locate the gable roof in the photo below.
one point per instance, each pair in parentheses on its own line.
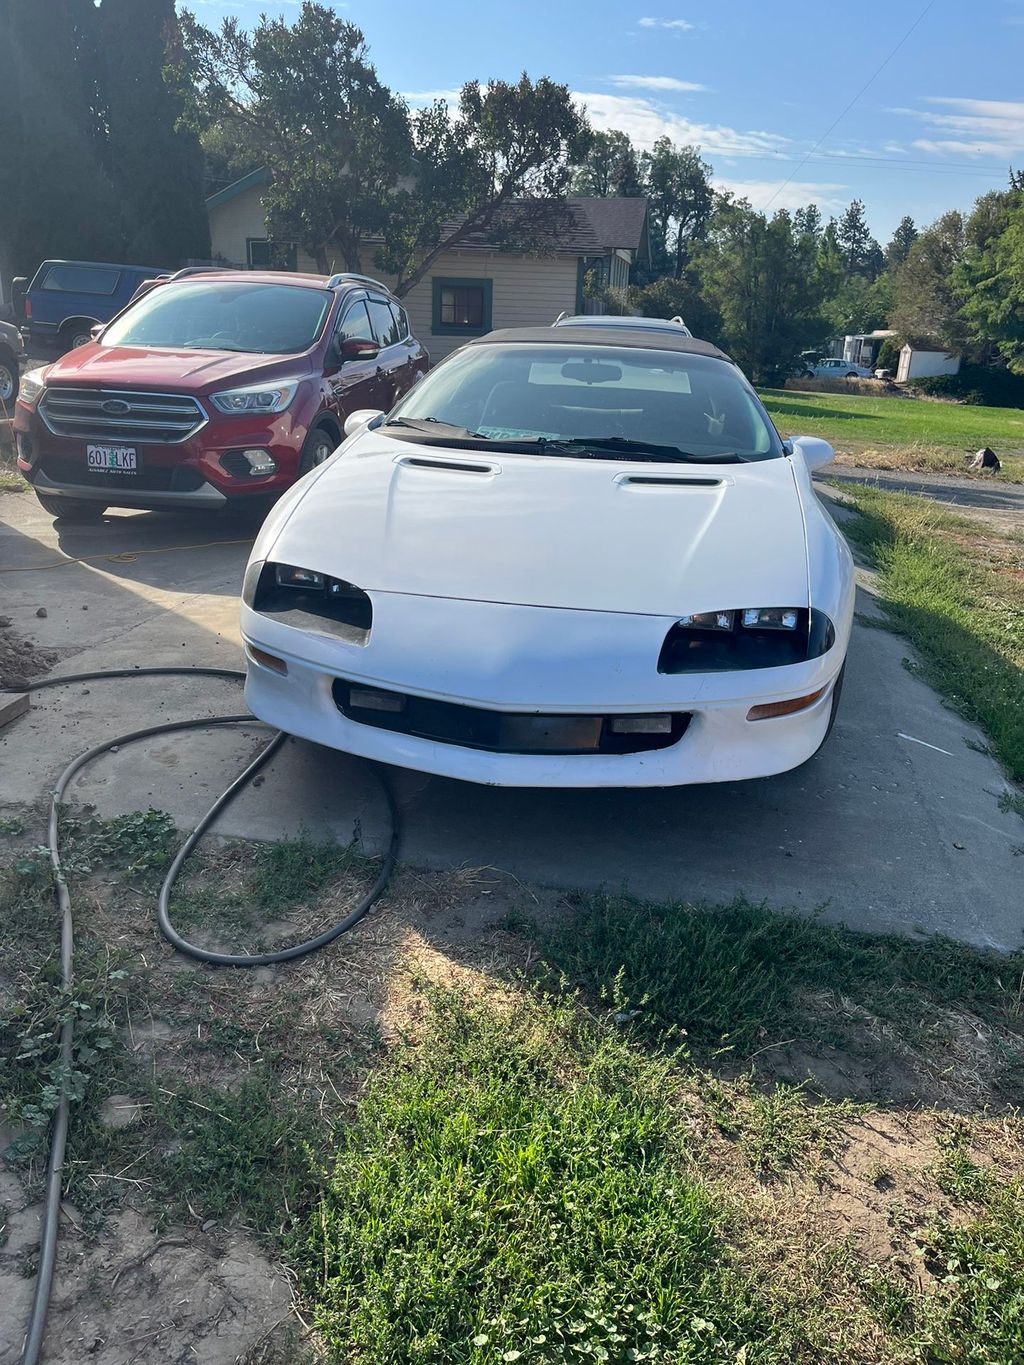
(572,227)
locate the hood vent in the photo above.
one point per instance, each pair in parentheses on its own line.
(450,466)
(670,481)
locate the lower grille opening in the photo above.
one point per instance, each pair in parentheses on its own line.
(156,478)
(504,732)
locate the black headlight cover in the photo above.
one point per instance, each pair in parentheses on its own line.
(338,608)
(690,650)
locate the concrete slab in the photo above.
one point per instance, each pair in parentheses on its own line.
(896,826)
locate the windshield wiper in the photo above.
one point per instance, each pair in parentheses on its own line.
(640,450)
(433,425)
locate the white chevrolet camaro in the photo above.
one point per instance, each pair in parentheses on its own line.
(568,558)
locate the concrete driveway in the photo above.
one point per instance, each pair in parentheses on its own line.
(896,826)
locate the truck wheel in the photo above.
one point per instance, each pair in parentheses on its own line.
(8,380)
(71,509)
(77,333)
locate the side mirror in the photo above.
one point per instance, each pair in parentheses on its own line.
(815,452)
(19,288)
(360,419)
(358,348)
(96,329)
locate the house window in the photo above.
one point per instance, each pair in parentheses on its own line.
(263,254)
(461,307)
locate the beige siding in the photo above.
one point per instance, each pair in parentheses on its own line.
(526,291)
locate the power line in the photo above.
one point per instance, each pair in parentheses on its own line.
(846,108)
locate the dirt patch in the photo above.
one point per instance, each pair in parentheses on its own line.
(142,1296)
(21,661)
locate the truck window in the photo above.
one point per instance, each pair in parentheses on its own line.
(80,279)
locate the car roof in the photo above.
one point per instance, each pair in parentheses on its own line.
(253,277)
(618,320)
(668,340)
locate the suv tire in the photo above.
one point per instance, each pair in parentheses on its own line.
(319,444)
(78,333)
(71,509)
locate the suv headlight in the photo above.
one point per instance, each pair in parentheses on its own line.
(32,384)
(256,397)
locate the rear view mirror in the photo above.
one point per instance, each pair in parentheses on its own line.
(358,348)
(813,449)
(591,372)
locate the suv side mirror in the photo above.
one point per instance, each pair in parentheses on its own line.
(362,418)
(95,329)
(358,348)
(814,450)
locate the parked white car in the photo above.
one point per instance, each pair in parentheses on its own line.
(834,368)
(570,557)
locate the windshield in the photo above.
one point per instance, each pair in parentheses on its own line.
(636,403)
(277,319)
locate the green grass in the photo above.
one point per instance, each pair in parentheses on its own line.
(895,421)
(737,977)
(510,1190)
(948,590)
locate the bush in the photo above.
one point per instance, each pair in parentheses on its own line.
(888,357)
(977,385)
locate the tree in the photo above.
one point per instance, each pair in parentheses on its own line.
(503,165)
(990,277)
(669,298)
(902,240)
(807,222)
(56,197)
(760,277)
(861,254)
(157,166)
(610,167)
(334,139)
(676,181)
(927,302)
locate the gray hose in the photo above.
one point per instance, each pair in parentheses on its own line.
(58,1140)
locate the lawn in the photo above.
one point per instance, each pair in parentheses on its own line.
(901,433)
(590,1129)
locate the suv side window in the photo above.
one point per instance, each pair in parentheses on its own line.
(355,324)
(402,318)
(384,322)
(80,279)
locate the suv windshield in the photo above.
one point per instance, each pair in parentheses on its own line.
(223,315)
(627,402)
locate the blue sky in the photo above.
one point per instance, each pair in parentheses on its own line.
(756,85)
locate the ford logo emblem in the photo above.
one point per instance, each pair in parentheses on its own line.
(116,407)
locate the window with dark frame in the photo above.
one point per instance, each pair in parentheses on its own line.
(264,254)
(463,306)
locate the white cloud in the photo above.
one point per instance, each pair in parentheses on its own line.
(655,83)
(417,97)
(645,121)
(680,25)
(797,193)
(969,127)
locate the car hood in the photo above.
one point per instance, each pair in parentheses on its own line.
(597,535)
(136,366)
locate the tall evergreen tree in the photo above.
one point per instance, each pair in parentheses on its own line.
(55,196)
(902,240)
(927,305)
(807,222)
(156,166)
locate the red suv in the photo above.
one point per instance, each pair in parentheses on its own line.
(211,388)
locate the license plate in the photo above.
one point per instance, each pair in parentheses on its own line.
(112,459)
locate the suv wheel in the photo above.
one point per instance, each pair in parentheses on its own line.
(71,509)
(318,446)
(8,380)
(77,334)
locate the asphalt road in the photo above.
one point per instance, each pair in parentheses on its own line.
(895,826)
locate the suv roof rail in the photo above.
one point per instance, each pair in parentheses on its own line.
(194,270)
(562,314)
(349,277)
(678,319)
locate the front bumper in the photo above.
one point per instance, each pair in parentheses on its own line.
(192,473)
(537,661)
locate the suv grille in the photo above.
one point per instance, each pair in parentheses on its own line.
(147,418)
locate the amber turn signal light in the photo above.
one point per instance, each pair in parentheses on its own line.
(783,708)
(271,661)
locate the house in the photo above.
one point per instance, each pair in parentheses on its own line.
(917,363)
(581,245)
